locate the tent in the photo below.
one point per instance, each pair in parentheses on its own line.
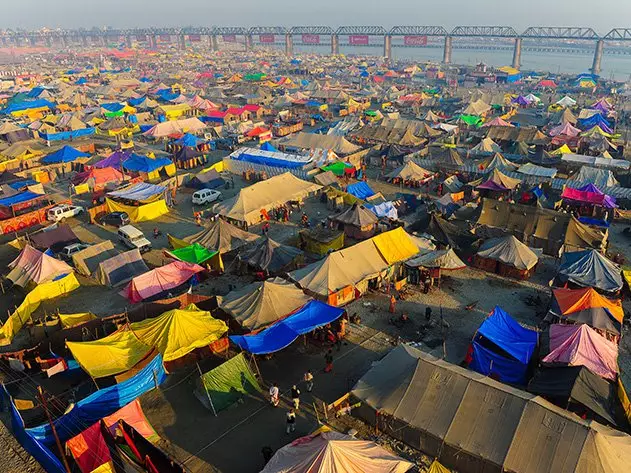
(54,238)
(246,206)
(220,236)
(589,195)
(195,253)
(111,355)
(487,145)
(88,260)
(262,303)
(589,268)
(566,102)
(120,269)
(280,335)
(507,256)
(270,256)
(443,259)
(580,345)
(357,222)
(160,280)
(333,452)
(34,267)
(409,171)
(501,348)
(66,154)
(477,107)
(601,178)
(580,236)
(227,383)
(497,162)
(140,213)
(178,332)
(573,385)
(587,306)
(361,190)
(206,180)
(499,182)
(321,241)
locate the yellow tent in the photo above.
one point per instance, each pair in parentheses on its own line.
(565,149)
(70,320)
(42,292)
(395,246)
(142,213)
(436,467)
(111,355)
(173,112)
(180,331)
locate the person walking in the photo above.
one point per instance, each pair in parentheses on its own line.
(428,313)
(328,359)
(393,304)
(291,421)
(274,395)
(309,380)
(295,397)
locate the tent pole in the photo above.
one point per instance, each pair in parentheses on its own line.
(54,430)
(212,406)
(257,368)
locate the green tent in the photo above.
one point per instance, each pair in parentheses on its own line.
(471,120)
(227,383)
(336,168)
(194,253)
(120,113)
(259,76)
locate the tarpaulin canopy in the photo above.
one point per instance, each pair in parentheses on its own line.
(589,268)
(34,267)
(114,160)
(509,250)
(589,194)
(194,253)
(121,268)
(42,292)
(141,213)
(280,335)
(102,403)
(160,280)
(54,238)
(271,256)
(228,382)
(357,215)
(98,177)
(19,198)
(587,306)
(139,163)
(141,192)
(395,245)
(361,190)
(443,259)
(64,155)
(580,345)
(72,320)
(262,303)
(271,158)
(90,451)
(333,452)
(111,355)
(133,415)
(512,339)
(409,170)
(179,331)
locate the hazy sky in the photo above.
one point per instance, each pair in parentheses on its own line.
(602,15)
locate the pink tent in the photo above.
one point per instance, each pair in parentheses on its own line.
(497,121)
(33,266)
(581,345)
(159,280)
(565,129)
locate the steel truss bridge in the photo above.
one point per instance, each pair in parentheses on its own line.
(575,38)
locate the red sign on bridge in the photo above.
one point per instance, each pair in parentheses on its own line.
(415,40)
(311,38)
(266,38)
(358,40)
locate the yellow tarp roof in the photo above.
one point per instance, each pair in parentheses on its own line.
(111,355)
(70,320)
(395,246)
(565,149)
(180,331)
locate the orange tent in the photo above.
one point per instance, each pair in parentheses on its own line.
(589,307)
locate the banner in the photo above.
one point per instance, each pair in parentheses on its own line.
(415,40)
(195,38)
(229,38)
(164,37)
(266,38)
(311,38)
(358,40)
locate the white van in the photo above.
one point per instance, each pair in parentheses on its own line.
(205,196)
(133,238)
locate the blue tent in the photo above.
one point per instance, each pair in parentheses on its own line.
(136,102)
(589,268)
(503,348)
(312,315)
(268,147)
(28,105)
(113,107)
(81,81)
(189,140)
(144,164)
(19,198)
(66,154)
(361,190)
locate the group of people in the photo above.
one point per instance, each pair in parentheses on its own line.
(274,393)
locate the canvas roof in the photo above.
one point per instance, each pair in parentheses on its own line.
(589,268)
(269,255)
(121,269)
(262,303)
(509,250)
(33,266)
(409,170)
(356,215)
(443,259)
(338,144)
(87,261)
(222,236)
(586,305)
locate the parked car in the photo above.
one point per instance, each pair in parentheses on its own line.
(63,211)
(131,237)
(67,252)
(116,219)
(205,196)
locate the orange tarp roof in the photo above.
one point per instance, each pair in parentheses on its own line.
(575,300)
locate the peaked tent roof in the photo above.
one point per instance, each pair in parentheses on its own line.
(269,255)
(159,280)
(64,155)
(509,250)
(586,305)
(443,259)
(409,170)
(356,215)
(506,333)
(589,268)
(222,236)
(262,303)
(179,331)
(33,266)
(487,145)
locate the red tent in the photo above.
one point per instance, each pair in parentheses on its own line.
(160,280)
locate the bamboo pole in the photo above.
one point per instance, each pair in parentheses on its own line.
(54,430)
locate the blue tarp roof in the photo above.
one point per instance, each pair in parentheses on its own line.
(589,268)
(27,105)
(113,107)
(312,315)
(267,146)
(136,102)
(100,404)
(19,198)
(189,140)
(64,155)
(144,164)
(22,183)
(139,192)
(167,95)
(361,190)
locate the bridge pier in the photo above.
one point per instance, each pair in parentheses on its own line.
(84,41)
(517,54)
(289,45)
(128,42)
(153,41)
(447,50)
(387,47)
(249,42)
(335,44)
(181,42)
(598,57)
(214,44)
